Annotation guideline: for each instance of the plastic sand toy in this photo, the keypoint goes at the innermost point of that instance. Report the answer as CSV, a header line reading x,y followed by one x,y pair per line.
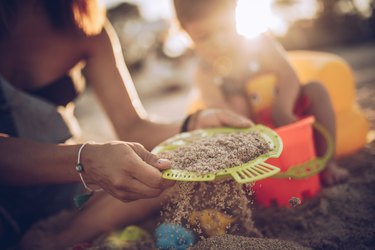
x,y
212,222
298,163
337,76
125,237
172,236
253,170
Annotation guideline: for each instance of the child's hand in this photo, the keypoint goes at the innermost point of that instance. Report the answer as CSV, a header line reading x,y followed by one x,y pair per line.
x,y
283,118
213,118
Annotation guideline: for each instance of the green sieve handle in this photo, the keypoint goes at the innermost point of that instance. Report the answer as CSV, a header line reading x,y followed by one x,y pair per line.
x,y
314,166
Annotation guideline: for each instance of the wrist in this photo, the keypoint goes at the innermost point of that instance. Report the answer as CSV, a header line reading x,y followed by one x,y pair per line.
x,y
84,161
190,122
185,124
285,118
65,157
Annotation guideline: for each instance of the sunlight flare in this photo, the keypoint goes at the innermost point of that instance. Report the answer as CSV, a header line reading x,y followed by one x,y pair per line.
x,y
254,17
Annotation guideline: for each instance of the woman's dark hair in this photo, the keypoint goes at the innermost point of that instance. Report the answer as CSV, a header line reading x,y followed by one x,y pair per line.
x,y
86,15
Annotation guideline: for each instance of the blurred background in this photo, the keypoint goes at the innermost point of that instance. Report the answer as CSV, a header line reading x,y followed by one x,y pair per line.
x,y
161,63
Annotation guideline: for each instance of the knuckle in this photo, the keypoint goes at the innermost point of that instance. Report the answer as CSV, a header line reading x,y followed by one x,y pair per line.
x,y
137,147
121,149
151,158
136,144
119,184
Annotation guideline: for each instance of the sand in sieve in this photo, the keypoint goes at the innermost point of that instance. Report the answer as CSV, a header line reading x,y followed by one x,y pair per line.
x,y
223,150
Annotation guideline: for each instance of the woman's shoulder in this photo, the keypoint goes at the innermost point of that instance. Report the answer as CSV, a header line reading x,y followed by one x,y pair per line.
x,y
107,38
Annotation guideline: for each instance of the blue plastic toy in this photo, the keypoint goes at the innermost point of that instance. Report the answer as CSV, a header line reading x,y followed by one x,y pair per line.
x,y
172,236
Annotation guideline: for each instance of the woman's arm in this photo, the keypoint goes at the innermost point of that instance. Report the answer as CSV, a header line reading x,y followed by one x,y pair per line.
x,y
288,86
125,170
24,162
107,73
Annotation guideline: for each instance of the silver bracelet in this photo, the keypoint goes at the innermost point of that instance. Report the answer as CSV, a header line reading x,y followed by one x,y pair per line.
x,y
80,169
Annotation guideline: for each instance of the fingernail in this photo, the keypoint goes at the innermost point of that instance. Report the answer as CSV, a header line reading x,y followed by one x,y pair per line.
x,y
245,124
163,161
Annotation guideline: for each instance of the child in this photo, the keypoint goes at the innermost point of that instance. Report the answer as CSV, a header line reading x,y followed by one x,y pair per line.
x,y
229,63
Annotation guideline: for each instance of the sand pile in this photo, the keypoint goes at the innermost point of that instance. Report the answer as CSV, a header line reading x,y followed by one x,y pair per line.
x,y
211,208
231,242
220,151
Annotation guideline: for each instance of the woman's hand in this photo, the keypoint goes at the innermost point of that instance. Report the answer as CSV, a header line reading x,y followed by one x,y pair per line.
x,y
213,118
125,170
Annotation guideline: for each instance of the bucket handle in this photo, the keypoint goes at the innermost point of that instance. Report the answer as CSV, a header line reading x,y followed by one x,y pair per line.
x,y
313,166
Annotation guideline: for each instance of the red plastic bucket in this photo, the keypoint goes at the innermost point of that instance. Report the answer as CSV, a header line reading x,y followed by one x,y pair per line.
x,y
298,148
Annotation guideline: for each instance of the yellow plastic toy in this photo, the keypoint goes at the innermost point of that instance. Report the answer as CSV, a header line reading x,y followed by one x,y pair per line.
x,y
336,75
212,222
126,237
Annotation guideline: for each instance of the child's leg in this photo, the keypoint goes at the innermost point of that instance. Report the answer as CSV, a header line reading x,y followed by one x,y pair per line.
x,y
106,214
100,215
321,108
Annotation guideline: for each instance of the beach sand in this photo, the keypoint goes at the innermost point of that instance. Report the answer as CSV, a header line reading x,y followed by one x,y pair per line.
x,y
339,217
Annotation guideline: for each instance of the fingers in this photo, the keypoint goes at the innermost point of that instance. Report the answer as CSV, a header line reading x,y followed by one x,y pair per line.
x,y
125,170
132,189
146,168
221,118
129,189
230,119
161,164
150,158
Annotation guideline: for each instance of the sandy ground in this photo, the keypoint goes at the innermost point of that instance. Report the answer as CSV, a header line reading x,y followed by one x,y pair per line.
x,y
340,217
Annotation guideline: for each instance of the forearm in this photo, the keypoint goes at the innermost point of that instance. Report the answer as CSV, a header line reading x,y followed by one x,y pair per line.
x,y
287,94
288,85
284,104
282,117
24,162
211,94
149,133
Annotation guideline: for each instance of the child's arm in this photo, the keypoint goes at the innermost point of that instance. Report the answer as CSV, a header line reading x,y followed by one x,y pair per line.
x,y
212,96
288,86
